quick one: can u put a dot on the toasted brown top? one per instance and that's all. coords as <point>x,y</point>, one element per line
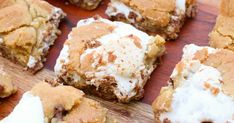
<point>160,5</point>
<point>157,10</point>
<point>65,97</point>
<point>227,7</point>
<point>83,38</point>
<point>22,26</point>
<point>223,60</point>
<point>6,86</point>
<point>5,3</point>
<point>14,14</point>
<point>89,111</point>
<point>222,35</point>
<point>163,101</point>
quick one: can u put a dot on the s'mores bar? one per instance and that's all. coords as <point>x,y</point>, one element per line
<point>56,104</point>
<point>222,35</point>
<point>163,17</point>
<point>200,90</point>
<point>7,87</point>
<point>86,4</point>
<point>109,59</point>
<point>27,30</point>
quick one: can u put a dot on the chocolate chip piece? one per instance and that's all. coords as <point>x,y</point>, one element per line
<point>120,16</point>
<point>132,15</point>
<point>1,88</point>
<point>59,112</point>
<point>166,120</point>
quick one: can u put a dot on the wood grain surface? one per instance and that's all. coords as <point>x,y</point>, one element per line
<point>194,31</point>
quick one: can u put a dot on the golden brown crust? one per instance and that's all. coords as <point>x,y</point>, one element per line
<point>5,3</point>
<point>223,61</point>
<point>220,59</point>
<point>227,8</point>
<point>86,4</point>
<point>89,111</point>
<point>81,37</point>
<point>155,16</point>
<point>222,35</point>
<point>19,16</point>
<point>65,104</point>
<point>65,97</point>
<point>155,10</point>
<point>23,38</point>
<point>27,27</point>
<point>7,88</point>
<point>163,102</point>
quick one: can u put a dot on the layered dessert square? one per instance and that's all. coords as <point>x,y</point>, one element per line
<point>222,35</point>
<point>113,60</point>
<point>27,30</point>
<point>163,17</point>
<point>45,103</point>
<point>200,90</point>
<point>7,87</point>
<point>86,4</point>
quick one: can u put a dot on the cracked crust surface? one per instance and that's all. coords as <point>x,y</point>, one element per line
<point>7,87</point>
<point>153,16</point>
<point>27,29</point>
<point>86,4</point>
<point>222,35</point>
<point>89,111</point>
<point>62,98</point>
<point>51,102</point>
<point>65,104</point>
<point>220,59</point>
<point>93,61</point>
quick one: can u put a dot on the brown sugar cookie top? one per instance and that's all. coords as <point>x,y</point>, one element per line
<point>6,86</point>
<point>157,10</point>
<point>227,7</point>
<point>89,111</point>
<point>82,38</point>
<point>55,98</point>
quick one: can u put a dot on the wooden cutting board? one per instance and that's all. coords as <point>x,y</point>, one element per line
<point>194,31</point>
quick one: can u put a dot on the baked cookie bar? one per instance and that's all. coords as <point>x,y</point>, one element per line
<point>200,90</point>
<point>109,59</point>
<point>27,29</point>
<point>163,17</point>
<point>7,88</point>
<point>222,35</point>
<point>56,104</point>
<point>86,4</point>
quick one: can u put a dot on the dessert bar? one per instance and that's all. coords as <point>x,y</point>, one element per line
<point>163,17</point>
<point>46,103</point>
<point>222,35</point>
<point>113,60</point>
<point>27,30</point>
<point>200,90</point>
